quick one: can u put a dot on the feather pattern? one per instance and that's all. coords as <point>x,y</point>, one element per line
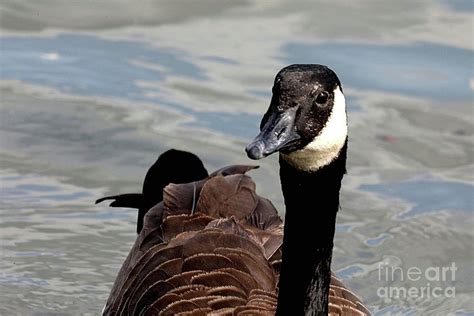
<point>211,247</point>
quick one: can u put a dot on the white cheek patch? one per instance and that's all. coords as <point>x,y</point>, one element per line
<point>327,145</point>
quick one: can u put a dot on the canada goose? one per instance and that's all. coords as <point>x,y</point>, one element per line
<point>160,174</point>
<point>215,247</point>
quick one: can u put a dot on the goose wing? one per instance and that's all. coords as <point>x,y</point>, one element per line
<point>210,246</point>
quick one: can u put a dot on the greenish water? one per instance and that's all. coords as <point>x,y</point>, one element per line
<point>92,93</point>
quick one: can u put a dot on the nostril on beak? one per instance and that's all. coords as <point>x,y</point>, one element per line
<point>281,132</point>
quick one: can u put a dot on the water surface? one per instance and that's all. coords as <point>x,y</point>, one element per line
<point>91,94</point>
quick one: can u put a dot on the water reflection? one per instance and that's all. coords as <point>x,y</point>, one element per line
<point>419,70</point>
<point>92,66</point>
<point>88,102</point>
<point>434,197</point>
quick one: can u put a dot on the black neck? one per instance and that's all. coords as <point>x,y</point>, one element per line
<point>312,202</point>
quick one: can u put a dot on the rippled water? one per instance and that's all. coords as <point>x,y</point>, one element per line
<point>91,93</point>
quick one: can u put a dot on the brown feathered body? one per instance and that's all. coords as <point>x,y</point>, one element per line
<point>212,247</point>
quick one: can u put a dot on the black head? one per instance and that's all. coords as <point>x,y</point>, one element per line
<point>172,166</point>
<point>306,119</point>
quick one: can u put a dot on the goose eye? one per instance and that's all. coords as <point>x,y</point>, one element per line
<point>322,98</point>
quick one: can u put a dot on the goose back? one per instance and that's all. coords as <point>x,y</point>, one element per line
<point>211,246</point>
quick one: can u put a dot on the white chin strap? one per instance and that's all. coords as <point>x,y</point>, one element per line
<point>327,145</point>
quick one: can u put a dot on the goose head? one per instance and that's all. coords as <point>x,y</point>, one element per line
<point>306,120</point>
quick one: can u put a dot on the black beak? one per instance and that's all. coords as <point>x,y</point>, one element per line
<point>277,132</point>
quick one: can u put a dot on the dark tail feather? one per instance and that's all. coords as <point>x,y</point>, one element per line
<point>131,200</point>
<point>173,166</point>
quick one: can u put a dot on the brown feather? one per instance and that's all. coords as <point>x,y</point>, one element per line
<point>164,301</point>
<point>196,312</point>
<point>227,290</point>
<point>148,297</point>
<point>226,302</point>
<point>212,247</point>
<point>183,278</point>
<point>235,197</point>
<point>217,278</point>
<point>179,307</point>
<point>206,262</point>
